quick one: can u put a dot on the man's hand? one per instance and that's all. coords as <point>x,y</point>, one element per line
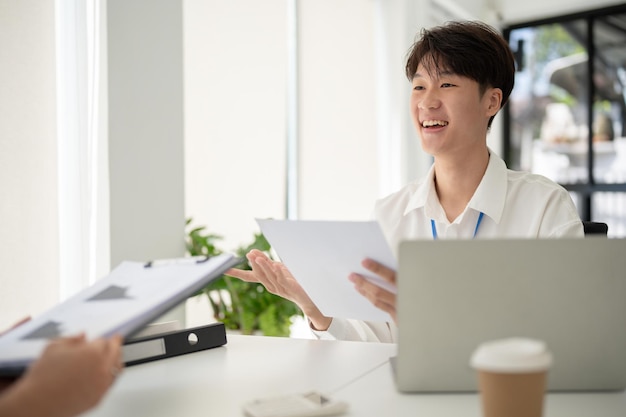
<point>380,297</point>
<point>277,279</point>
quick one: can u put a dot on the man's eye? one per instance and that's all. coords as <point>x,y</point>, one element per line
<point>418,87</point>
<point>447,85</point>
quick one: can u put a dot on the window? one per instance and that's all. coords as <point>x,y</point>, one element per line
<point>566,116</point>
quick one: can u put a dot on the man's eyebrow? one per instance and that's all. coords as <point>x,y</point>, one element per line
<point>438,74</point>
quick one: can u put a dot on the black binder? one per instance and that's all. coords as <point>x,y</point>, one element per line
<point>167,345</point>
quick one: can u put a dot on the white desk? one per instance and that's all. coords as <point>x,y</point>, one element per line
<point>216,382</point>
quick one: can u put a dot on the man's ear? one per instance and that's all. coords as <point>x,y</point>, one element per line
<point>494,101</point>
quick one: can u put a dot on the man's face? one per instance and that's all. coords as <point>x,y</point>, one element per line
<point>449,113</point>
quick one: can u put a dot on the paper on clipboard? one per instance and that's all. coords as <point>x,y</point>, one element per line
<point>121,303</point>
<point>321,255</point>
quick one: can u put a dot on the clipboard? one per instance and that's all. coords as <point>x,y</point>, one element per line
<point>175,343</point>
<point>130,297</point>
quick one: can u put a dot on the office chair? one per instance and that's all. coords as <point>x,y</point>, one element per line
<point>595,228</point>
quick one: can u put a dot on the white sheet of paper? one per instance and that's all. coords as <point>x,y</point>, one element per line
<point>321,255</point>
<point>120,303</point>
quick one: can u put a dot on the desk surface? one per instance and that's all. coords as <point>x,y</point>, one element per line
<point>217,382</point>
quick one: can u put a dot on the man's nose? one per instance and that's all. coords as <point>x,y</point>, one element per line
<point>429,100</point>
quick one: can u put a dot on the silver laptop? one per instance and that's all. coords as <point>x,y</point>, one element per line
<point>455,294</point>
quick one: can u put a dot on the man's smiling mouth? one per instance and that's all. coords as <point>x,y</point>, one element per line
<point>434,123</point>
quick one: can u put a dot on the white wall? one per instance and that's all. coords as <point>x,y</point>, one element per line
<point>338,161</point>
<point>28,168</point>
<point>235,67</point>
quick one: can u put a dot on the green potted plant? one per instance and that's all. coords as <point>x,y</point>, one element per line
<point>244,306</point>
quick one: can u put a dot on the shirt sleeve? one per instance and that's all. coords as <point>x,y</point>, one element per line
<point>561,220</point>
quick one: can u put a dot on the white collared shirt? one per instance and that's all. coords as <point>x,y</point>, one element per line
<point>515,205</point>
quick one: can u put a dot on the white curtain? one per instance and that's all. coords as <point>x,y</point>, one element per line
<point>81,143</point>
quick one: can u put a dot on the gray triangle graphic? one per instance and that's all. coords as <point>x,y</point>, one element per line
<point>110,293</point>
<point>50,330</point>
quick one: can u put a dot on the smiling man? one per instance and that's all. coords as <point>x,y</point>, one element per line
<point>461,75</point>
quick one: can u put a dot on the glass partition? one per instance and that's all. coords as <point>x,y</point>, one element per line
<point>565,118</point>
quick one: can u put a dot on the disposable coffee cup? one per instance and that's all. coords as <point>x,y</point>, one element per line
<point>512,376</point>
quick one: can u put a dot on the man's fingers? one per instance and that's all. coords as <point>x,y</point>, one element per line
<point>248,276</point>
<point>378,296</point>
<point>265,273</point>
<point>379,269</point>
<point>116,357</point>
<point>372,291</point>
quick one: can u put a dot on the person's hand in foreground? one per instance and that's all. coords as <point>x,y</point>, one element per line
<point>277,279</point>
<point>71,376</point>
<point>6,382</point>
<point>380,297</point>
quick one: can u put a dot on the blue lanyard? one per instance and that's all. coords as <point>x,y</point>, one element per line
<point>434,228</point>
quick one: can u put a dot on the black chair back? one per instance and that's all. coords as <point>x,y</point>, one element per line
<point>595,228</point>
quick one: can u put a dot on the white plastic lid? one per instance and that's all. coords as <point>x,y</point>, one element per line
<point>516,355</point>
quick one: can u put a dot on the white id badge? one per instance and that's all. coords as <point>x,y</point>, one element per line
<point>308,404</point>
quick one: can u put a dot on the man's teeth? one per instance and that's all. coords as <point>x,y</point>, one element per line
<point>431,123</point>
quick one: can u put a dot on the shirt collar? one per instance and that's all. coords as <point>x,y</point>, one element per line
<point>490,195</point>
<point>488,198</point>
<point>424,188</point>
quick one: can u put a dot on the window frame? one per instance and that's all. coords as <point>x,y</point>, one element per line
<point>587,189</point>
